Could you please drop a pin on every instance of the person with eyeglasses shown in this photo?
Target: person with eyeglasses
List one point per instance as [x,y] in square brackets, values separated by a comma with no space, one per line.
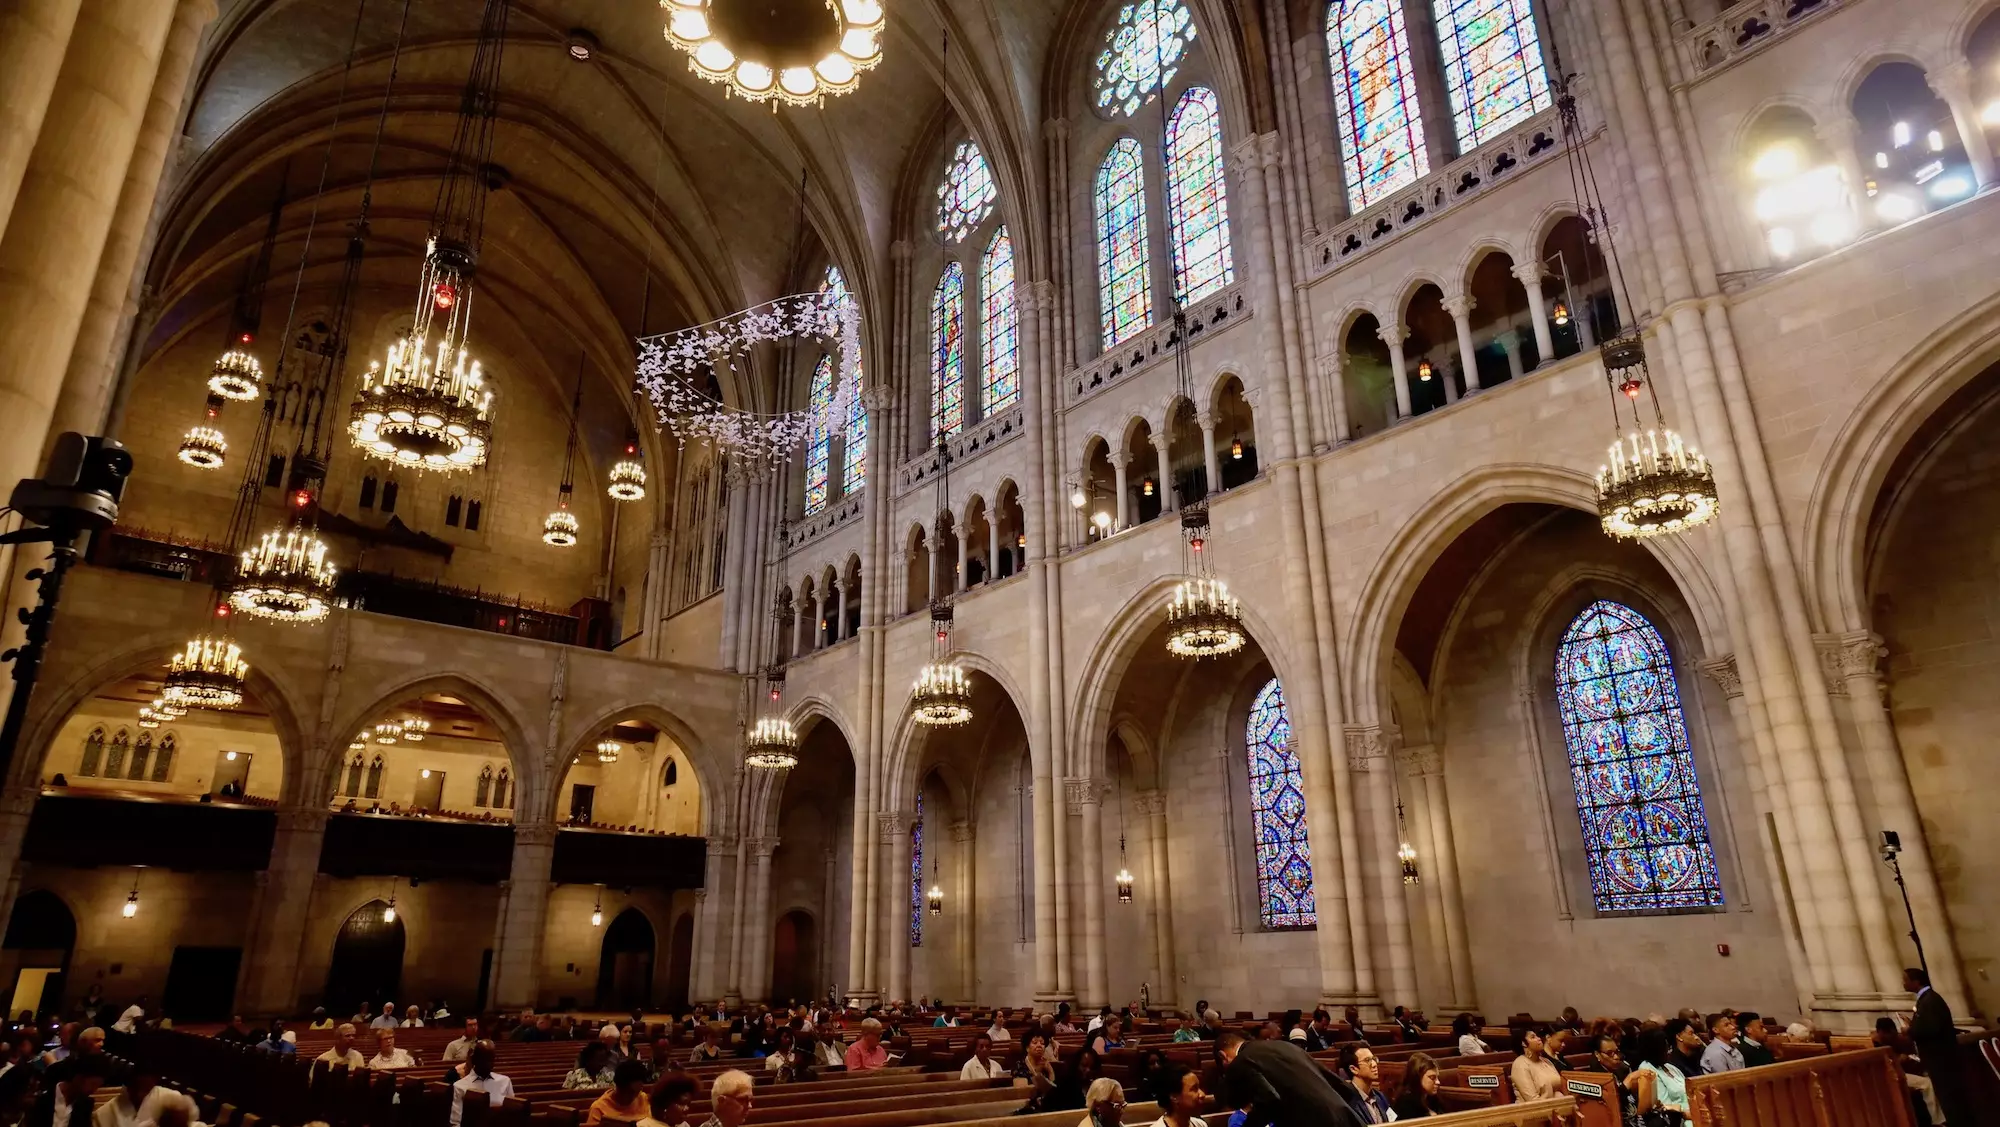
[1106,1101]
[729,1100]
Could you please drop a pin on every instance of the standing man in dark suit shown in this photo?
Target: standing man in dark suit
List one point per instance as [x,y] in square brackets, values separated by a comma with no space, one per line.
[1936,1039]
[1278,1084]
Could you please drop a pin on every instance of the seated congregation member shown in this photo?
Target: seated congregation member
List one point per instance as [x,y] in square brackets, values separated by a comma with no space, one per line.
[139,1099]
[1467,1032]
[343,1050]
[1350,1026]
[710,1047]
[1684,1053]
[1180,1094]
[948,1019]
[479,1077]
[730,1096]
[1411,1024]
[1364,1072]
[1751,1038]
[997,1029]
[1658,1086]
[593,1069]
[827,1052]
[66,1100]
[1187,1032]
[320,1019]
[1036,1070]
[1320,1034]
[626,1101]
[1722,1053]
[1071,1091]
[237,1032]
[613,1039]
[1534,1077]
[670,1100]
[413,1018]
[785,1062]
[1277,1083]
[1109,1036]
[387,1018]
[134,1015]
[982,1065]
[660,1059]
[1097,1023]
[277,1042]
[1417,1095]
[387,1055]
[1560,1044]
[461,1046]
[1106,1103]
[1608,1058]
[868,1052]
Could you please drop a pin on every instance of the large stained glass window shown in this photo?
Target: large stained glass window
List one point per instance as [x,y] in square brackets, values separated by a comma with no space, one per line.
[854,434]
[1124,269]
[966,196]
[948,352]
[1278,816]
[1140,54]
[999,324]
[819,440]
[1374,98]
[1197,204]
[1492,66]
[917,875]
[1636,793]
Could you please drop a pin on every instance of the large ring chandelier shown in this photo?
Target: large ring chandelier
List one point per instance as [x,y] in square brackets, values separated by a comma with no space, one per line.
[1653,483]
[204,448]
[237,375]
[1203,618]
[627,479]
[209,673]
[415,728]
[798,51]
[942,695]
[674,367]
[772,744]
[427,407]
[286,578]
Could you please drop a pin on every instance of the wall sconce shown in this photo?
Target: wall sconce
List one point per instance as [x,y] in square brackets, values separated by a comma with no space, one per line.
[1236,449]
[1559,315]
[1146,487]
[1424,370]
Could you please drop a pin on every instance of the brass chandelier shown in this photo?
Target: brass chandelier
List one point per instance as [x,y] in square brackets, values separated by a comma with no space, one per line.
[237,375]
[561,529]
[286,578]
[204,448]
[796,51]
[771,744]
[209,673]
[942,695]
[607,750]
[1203,619]
[627,479]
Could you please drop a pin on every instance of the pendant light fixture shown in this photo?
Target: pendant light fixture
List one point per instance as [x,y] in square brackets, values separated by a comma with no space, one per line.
[1653,483]
[131,907]
[627,479]
[799,53]
[607,750]
[1124,877]
[597,909]
[942,696]
[1406,853]
[561,528]
[934,899]
[770,743]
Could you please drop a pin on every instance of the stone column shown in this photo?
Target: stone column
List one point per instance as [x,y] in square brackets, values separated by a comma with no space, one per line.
[1424,768]
[963,835]
[1394,336]
[1511,341]
[271,976]
[517,958]
[1086,804]
[1161,440]
[1152,804]
[34,34]
[932,544]
[820,602]
[1368,765]
[1208,459]
[86,390]
[840,632]
[1460,307]
[895,828]
[757,975]
[1119,463]
[1530,275]
[1855,660]
[1953,83]
[62,215]
[992,540]
[1332,369]
[1444,379]
[17,803]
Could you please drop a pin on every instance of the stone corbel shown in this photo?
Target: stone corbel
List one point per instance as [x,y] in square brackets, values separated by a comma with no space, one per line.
[1722,670]
[1368,747]
[1081,792]
[1421,761]
[1150,802]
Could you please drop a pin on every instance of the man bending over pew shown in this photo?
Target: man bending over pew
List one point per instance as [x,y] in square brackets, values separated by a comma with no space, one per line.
[479,1077]
[868,1053]
[1277,1083]
[730,1097]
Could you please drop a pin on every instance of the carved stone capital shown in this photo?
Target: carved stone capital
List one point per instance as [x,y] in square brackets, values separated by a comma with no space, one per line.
[1460,306]
[532,834]
[761,848]
[1420,761]
[1722,670]
[878,397]
[1367,747]
[1150,801]
[1080,792]
[1205,420]
[962,831]
[1393,335]
[1529,273]
[1038,295]
[894,823]
[1858,653]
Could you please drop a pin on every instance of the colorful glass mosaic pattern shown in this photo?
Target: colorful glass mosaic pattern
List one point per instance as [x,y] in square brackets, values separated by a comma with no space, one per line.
[1374,98]
[1492,66]
[999,324]
[1644,827]
[917,876]
[819,442]
[1141,52]
[854,434]
[1124,270]
[966,196]
[948,352]
[1278,816]
[1197,201]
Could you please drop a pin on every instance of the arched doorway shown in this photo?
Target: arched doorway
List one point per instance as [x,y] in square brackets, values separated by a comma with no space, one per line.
[367,963]
[625,964]
[41,933]
[794,957]
[680,963]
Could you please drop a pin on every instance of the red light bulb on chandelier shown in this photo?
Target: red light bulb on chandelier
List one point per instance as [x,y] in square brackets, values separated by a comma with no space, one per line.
[222,610]
[302,498]
[246,338]
[444,295]
[1631,387]
[1196,544]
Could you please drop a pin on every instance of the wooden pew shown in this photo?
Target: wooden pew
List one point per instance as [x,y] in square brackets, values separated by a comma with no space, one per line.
[1855,1089]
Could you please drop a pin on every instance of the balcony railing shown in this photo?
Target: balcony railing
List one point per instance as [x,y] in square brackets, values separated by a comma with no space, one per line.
[839,513]
[1744,30]
[1205,317]
[966,445]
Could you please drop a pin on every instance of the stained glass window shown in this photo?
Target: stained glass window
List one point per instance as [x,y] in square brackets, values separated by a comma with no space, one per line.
[966,196]
[854,434]
[819,441]
[1644,828]
[1374,98]
[999,324]
[1492,66]
[1124,271]
[1140,54]
[948,352]
[1197,203]
[917,875]
[1278,816]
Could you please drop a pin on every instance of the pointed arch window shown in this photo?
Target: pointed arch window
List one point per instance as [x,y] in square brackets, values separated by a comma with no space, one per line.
[354,768]
[1374,99]
[999,324]
[948,352]
[819,440]
[114,759]
[1644,827]
[1197,201]
[1124,267]
[966,196]
[917,874]
[854,431]
[1278,815]
[1492,66]
[93,753]
[483,786]
[503,792]
[374,786]
[142,756]
[163,759]
[672,774]
[1140,54]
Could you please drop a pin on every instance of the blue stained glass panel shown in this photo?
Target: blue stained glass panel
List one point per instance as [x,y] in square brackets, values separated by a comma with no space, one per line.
[948,352]
[1197,200]
[1140,54]
[854,432]
[1375,98]
[1492,66]
[1278,816]
[819,441]
[1637,796]
[917,876]
[1124,270]
[999,324]
[966,196]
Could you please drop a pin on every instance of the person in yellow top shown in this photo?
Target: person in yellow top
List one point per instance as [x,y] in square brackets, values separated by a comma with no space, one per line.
[626,1100]
[1535,1076]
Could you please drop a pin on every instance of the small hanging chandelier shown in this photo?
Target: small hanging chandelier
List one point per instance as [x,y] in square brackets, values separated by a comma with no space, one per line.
[561,529]
[1406,853]
[1204,619]
[627,479]
[597,909]
[942,696]
[131,907]
[389,910]
[388,732]
[1124,877]
[799,52]
[771,744]
[357,745]
[166,709]
[148,718]
[285,578]
[415,728]
[209,673]
[204,448]
[934,899]
[607,750]
[237,375]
